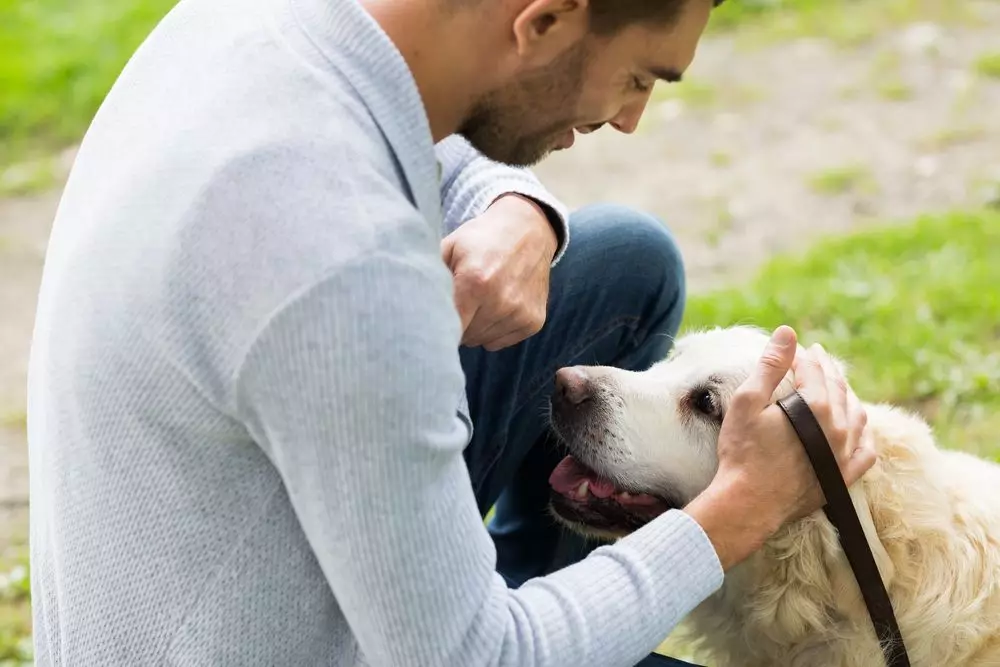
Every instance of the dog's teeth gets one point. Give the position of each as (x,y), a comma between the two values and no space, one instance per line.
(625,495)
(583,490)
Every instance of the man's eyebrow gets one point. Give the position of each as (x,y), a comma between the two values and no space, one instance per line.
(667,74)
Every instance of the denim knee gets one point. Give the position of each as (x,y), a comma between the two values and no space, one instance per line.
(643,244)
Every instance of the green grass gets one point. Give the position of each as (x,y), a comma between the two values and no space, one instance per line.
(719,221)
(844,22)
(841,180)
(15,612)
(58,59)
(720,159)
(15,420)
(28,177)
(952,136)
(895,91)
(914,310)
(988,65)
(886,76)
(693,93)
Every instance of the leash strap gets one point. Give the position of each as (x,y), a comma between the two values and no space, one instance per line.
(840,511)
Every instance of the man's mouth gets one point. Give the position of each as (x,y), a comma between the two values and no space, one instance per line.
(581,496)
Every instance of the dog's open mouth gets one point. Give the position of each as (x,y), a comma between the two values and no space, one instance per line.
(580,495)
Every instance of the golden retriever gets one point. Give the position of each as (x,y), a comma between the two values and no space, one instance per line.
(643,442)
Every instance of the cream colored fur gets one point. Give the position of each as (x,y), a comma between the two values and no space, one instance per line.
(932,517)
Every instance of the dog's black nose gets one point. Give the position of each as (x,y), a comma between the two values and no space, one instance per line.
(573,385)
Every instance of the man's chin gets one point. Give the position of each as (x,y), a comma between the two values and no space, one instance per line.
(523,155)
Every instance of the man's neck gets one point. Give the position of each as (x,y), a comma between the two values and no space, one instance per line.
(448,63)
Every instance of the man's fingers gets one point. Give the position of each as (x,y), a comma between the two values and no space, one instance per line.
(774,363)
(498,320)
(857,416)
(857,420)
(836,385)
(467,310)
(810,381)
(505,321)
(809,375)
(469,293)
(507,341)
(860,462)
(503,333)
(518,324)
(837,424)
(448,250)
(501,339)
(491,325)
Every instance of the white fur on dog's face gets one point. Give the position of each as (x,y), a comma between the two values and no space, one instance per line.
(656,431)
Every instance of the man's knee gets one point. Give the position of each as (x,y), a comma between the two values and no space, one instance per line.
(638,257)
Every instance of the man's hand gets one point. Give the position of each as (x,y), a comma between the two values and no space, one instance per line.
(501,262)
(764,477)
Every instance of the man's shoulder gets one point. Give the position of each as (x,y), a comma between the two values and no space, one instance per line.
(331,196)
(278,216)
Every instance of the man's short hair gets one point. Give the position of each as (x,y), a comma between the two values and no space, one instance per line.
(609,16)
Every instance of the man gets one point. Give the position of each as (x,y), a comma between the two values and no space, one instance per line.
(275,382)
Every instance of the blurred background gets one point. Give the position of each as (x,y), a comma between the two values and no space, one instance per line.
(830,164)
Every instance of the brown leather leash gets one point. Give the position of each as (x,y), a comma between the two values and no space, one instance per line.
(840,511)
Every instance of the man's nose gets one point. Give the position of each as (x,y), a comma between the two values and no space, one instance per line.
(573,385)
(628,118)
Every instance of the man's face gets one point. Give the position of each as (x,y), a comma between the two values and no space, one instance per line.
(597,81)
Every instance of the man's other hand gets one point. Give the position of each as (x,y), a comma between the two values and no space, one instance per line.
(764,478)
(501,262)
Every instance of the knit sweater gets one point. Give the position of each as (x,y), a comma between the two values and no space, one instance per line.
(246,406)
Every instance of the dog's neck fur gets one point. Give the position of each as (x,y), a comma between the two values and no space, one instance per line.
(796,602)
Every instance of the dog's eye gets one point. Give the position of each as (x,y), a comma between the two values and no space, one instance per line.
(703,401)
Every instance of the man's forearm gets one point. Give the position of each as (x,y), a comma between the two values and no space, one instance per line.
(723,513)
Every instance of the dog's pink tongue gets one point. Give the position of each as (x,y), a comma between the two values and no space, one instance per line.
(570,473)
(601,488)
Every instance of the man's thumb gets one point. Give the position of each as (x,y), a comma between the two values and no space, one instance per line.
(772,366)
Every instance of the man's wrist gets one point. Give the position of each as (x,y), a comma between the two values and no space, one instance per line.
(541,212)
(735,527)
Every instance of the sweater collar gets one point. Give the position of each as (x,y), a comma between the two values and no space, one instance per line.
(356,45)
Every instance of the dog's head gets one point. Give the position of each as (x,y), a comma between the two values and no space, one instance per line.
(645,442)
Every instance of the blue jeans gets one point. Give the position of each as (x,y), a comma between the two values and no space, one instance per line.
(616,298)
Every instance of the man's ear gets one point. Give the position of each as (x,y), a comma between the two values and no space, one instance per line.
(544,29)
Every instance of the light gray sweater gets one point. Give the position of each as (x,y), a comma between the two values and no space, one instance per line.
(246,415)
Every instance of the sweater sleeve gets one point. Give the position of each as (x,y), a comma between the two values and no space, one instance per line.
(470,182)
(351,388)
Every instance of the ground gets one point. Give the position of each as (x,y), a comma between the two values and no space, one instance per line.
(797,128)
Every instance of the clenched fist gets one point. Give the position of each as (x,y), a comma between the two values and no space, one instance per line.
(501,262)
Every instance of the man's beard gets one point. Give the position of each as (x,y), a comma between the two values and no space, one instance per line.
(512,125)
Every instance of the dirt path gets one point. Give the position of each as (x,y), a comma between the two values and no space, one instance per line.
(24,226)
(762,152)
